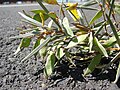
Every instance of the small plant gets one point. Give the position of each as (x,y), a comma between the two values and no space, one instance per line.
(94,39)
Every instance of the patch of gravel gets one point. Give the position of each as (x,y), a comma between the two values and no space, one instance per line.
(29,75)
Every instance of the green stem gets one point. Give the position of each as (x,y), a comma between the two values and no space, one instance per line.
(46,10)
(111,7)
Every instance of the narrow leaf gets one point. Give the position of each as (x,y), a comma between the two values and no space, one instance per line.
(90,42)
(87,8)
(60,53)
(43,50)
(50,24)
(114,30)
(67,27)
(30,19)
(73,10)
(37,43)
(49,66)
(99,47)
(95,61)
(110,42)
(96,17)
(37,49)
(77,40)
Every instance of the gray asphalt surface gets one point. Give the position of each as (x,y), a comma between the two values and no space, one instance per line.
(28,76)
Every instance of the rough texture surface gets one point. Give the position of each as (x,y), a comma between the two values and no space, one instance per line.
(29,75)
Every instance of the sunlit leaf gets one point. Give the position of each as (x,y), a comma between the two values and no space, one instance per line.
(99,47)
(90,42)
(118,74)
(54,2)
(67,27)
(50,24)
(43,50)
(42,18)
(49,66)
(77,40)
(110,42)
(30,19)
(95,61)
(71,6)
(73,10)
(96,17)
(60,53)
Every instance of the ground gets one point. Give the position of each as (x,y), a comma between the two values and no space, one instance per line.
(29,75)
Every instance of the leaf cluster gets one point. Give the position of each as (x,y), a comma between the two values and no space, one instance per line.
(96,38)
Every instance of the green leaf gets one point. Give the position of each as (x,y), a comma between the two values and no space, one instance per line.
(37,43)
(43,50)
(90,42)
(96,17)
(30,19)
(49,66)
(52,15)
(114,30)
(37,17)
(118,74)
(99,29)
(37,49)
(110,42)
(117,8)
(95,61)
(41,17)
(67,27)
(60,53)
(77,40)
(99,47)
(25,42)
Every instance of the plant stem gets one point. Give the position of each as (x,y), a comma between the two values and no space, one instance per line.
(111,7)
(46,10)
(85,17)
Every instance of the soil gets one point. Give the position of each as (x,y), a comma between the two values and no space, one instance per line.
(29,75)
